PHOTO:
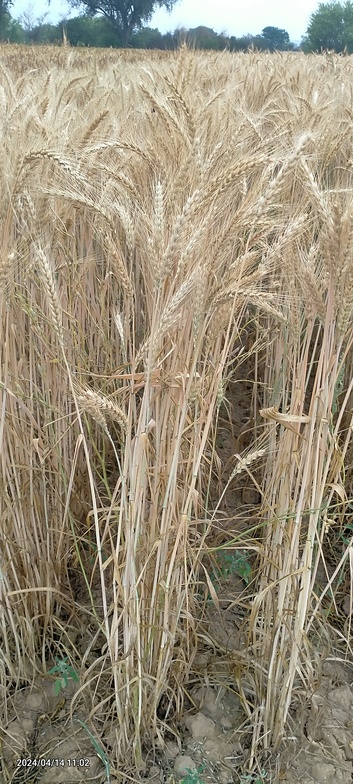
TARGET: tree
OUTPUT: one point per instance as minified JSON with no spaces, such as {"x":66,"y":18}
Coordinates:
{"x":85,"y":31}
{"x":31,"y":24}
{"x":240,"y":44}
{"x":126,"y":16}
{"x":276,"y":38}
{"x":45,"y":34}
{"x":4,"y":18}
{"x":330,"y":27}
{"x":148,"y":38}
{"x":205,"y":38}
{"x":11,"y":30}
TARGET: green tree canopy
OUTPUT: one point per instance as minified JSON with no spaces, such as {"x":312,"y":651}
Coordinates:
{"x":125,"y":16}
{"x":206,"y":38}
{"x":11,"y":30}
{"x":330,"y":27}
{"x":86,"y":31}
{"x":148,"y":38}
{"x":276,"y":38}
{"x":4,"y":18}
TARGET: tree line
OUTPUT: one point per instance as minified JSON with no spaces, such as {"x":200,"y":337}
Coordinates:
{"x":84,"y":30}
{"x":120,"y":23}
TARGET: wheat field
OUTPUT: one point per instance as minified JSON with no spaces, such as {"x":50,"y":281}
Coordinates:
{"x":164,"y":216}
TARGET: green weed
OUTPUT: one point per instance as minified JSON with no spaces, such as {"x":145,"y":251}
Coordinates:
{"x":229,"y":564}
{"x":193,"y":776}
{"x":65,"y":673}
{"x":254,"y":778}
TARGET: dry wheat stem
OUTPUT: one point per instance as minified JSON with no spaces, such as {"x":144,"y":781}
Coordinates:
{"x":170,"y":256}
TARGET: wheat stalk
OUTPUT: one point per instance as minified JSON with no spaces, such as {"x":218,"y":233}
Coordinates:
{"x":206,"y":256}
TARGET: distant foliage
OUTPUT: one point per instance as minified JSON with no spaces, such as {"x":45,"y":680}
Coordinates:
{"x":276,"y":39}
{"x":148,"y":38}
{"x":85,"y":31}
{"x":126,"y":18}
{"x":206,"y":38}
{"x":271,"y":39}
{"x":10,"y":29}
{"x":330,"y":28}
{"x":120,"y":25}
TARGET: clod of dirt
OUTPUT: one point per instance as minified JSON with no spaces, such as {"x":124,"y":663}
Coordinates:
{"x":201,"y":727}
{"x":209,"y":703}
{"x":171,"y":750}
{"x":217,"y":750}
{"x":325,"y":754}
{"x":54,"y":738}
{"x":225,"y":778}
{"x":154,"y":774}
{"x":323,"y":771}
{"x":183,"y":764}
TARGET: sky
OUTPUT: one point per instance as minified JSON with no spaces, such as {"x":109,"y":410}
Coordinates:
{"x":235,"y":17}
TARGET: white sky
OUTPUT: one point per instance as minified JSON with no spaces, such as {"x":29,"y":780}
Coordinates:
{"x":236,"y":17}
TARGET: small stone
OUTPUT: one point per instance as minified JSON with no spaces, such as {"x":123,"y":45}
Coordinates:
{"x":213,"y":750}
{"x":153,"y":773}
{"x":196,"y":749}
{"x":224,"y":777}
{"x":183,"y":763}
{"x":323,"y":771}
{"x":171,"y":749}
{"x":201,"y":727}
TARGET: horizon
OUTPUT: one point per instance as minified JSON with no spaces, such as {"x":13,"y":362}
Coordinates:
{"x":228,"y":16}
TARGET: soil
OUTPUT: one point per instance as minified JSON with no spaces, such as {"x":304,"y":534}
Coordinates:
{"x":214,"y":738}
